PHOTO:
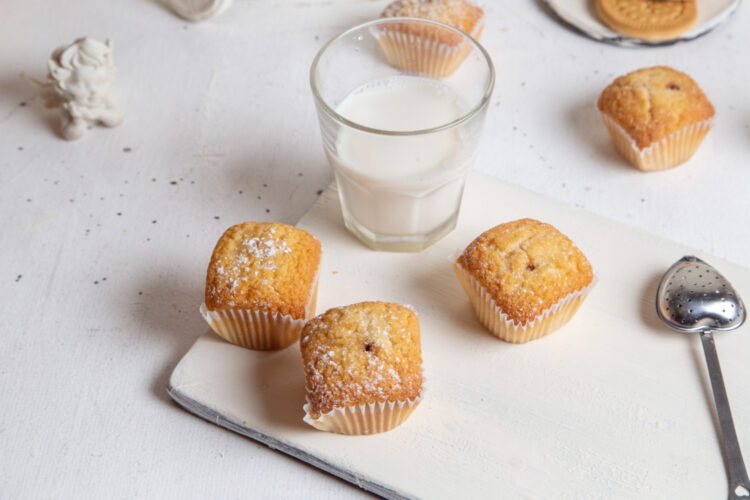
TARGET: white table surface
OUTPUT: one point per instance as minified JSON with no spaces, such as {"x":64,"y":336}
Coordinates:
{"x":105,"y":241}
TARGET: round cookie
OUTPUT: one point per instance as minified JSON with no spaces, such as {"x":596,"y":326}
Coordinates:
{"x":648,"y":19}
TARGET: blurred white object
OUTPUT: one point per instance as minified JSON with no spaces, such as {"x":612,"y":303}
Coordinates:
{"x":199,"y":10}
{"x":79,"y":82}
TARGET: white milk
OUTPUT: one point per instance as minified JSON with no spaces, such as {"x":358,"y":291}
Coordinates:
{"x":401,"y":185}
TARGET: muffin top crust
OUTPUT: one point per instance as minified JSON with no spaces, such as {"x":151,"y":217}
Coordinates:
{"x":651,"y":103}
{"x":460,"y":14}
{"x":363,"y":353}
{"x":263,"y":266}
{"x":526,"y":266}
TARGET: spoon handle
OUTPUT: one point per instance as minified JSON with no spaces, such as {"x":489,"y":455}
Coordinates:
{"x":739,"y":485}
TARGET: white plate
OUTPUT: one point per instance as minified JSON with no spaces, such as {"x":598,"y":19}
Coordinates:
{"x":613,"y":405}
{"x":580,"y":14}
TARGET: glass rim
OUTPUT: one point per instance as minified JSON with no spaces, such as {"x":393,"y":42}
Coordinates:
{"x":390,"y":20}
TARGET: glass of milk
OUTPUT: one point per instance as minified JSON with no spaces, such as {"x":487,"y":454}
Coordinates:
{"x":400,"y":141}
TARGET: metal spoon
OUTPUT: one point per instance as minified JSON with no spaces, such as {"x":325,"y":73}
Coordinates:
{"x":694,"y":297}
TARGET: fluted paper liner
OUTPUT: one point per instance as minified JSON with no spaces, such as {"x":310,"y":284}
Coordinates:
{"x":425,"y":52}
{"x":672,"y":150}
{"x":370,"y":418}
{"x":500,"y":325}
{"x":259,"y":330}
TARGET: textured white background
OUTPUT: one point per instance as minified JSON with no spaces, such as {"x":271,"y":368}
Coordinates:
{"x":105,"y":241}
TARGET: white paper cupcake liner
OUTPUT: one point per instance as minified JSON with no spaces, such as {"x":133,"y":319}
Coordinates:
{"x":425,"y":52}
{"x":674,"y":149}
{"x":370,"y":418}
{"x":500,"y":325}
{"x":259,"y":330}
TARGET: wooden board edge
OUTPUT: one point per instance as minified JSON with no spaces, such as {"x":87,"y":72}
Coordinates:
{"x":211,"y":415}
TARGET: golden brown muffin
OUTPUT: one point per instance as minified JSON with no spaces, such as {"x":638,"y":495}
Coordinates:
{"x":430,"y":50}
{"x":261,"y":282}
{"x":648,"y":19}
{"x":652,"y":103}
{"x":654,"y":106}
{"x":519,"y":273}
{"x":263,"y":265}
{"x":358,"y":358}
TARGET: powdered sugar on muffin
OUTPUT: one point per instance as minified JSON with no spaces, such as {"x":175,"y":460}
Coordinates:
{"x":254,"y":265}
{"x":364,"y":353}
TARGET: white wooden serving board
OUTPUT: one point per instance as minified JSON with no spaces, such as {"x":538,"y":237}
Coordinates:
{"x":581,"y":15}
{"x":612,"y":405}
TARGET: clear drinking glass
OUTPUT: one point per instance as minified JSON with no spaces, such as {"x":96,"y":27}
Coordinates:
{"x":401,"y":104}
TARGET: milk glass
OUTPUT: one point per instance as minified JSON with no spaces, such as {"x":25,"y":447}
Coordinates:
{"x":399,"y":133}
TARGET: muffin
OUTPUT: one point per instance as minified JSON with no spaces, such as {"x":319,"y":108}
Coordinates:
{"x":363,"y":368}
{"x":648,"y":19}
{"x":657,"y":117}
{"x":525,"y":279}
{"x":430,"y":50}
{"x":261,"y":284}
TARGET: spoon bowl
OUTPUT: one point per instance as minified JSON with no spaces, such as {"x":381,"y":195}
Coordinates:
{"x":693,"y":297}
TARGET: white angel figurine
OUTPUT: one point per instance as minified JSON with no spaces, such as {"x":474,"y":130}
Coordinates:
{"x":79,"y":82}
